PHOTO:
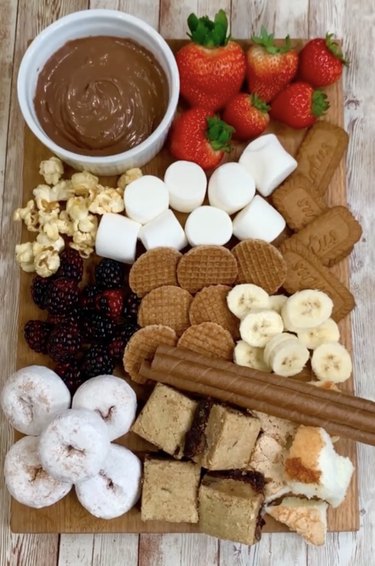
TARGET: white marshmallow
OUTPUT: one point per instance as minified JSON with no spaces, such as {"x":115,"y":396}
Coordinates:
{"x":268,"y":163}
{"x":231,"y":187}
{"x":259,"y":220}
{"x":25,"y":478}
{"x":208,"y":225}
{"x":186,"y":183}
{"x":145,"y":198}
{"x":32,"y":397}
{"x":116,"y":237}
{"x":74,"y":445}
{"x":163,"y":231}
{"x":112,"y":399}
{"x":116,"y":488}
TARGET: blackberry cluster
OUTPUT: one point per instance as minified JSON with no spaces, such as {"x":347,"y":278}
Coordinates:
{"x":97,"y":361}
{"x":64,"y":342}
{"x":36,"y":333}
{"x":131,"y":306}
{"x":61,"y":296}
{"x":71,"y":265}
{"x":110,"y":274}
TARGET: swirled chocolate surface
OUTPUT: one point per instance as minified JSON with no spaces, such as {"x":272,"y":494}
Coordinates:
{"x":101,"y":95}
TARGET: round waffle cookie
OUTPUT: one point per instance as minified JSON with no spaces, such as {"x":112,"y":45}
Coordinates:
{"x":142,"y":346}
{"x":166,"y":305}
{"x":210,"y":305}
{"x":206,"y":265}
{"x":208,"y":338}
{"x":154,"y":268}
{"x":260,"y":263}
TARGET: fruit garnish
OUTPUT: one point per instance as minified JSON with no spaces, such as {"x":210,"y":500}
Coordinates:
{"x":248,"y":114}
{"x":321,"y":61}
{"x":299,"y":105}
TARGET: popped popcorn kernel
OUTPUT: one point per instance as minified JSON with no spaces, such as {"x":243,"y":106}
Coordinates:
{"x":47,"y":262}
{"x":52,"y":170}
{"x":29,"y":215}
{"x":107,"y":200}
{"x":77,"y":207}
{"x":129,"y":176}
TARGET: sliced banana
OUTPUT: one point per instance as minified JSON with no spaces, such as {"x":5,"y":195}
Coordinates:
{"x":286,"y":320}
{"x":314,"y":337}
{"x":273,"y":342}
{"x":259,"y":327}
{"x":277,"y":302}
{"x":249,"y":356}
{"x":243,"y":298}
{"x":289,"y":357}
{"x":332,"y":362}
{"x":308,"y":308}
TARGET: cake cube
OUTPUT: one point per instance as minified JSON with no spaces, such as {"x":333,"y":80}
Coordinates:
{"x":230,"y":507}
{"x":221,"y":438}
{"x":170,"y":491}
{"x":165,"y":419}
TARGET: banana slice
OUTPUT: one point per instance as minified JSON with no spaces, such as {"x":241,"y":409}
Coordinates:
{"x":277,"y":302}
{"x":273,"y":342}
{"x":308,"y":308}
{"x":314,"y":337}
{"x":332,"y":362}
{"x":243,"y":298}
{"x":289,"y":357}
{"x":259,"y":327}
{"x":286,"y":320}
{"x":249,"y":356}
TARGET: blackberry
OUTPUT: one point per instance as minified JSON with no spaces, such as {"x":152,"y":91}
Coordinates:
{"x":64,"y":342}
{"x":96,"y":361}
{"x":39,"y":288}
{"x":71,"y":265}
{"x":98,"y":327}
{"x":71,"y":317}
{"x":36,"y":333}
{"x":70,"y":373}
{"x":123,"y":334}
{"x":61,"y":296}
{"x":131,"y":306}
{"x":109,"y":274}
{"x":110,"y":302}
{"x":87,"y":298}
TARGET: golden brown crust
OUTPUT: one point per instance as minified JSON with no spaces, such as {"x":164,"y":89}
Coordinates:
{"x":302,"y":463}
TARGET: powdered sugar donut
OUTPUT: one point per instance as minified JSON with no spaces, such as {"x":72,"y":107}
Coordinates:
{"x":26,"y":479}
{"x":74,"y":445}
{"x":116,"y":488}
{"x":32,"y":396}
{"x":112,"y":398}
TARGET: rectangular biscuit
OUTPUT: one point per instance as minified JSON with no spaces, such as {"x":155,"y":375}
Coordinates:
{"x":296,"y":201}
{"x":332,"y":235}
{"x":320,"y":153}
{"x":305,"y":271}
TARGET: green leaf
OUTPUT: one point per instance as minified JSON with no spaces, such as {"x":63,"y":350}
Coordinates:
{"x":208,"y":33}
{"x":219,"y":133}
{"x":335,"y":48}
{"x":266,"y":40}
{"x":259,"y":104}
{"x":320,"y":103}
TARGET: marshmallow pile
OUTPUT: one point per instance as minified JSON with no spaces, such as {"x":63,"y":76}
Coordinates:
{"x":263,"y":165}
{"x":71,"y":446}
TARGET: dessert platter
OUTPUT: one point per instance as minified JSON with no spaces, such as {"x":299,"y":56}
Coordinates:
{"x":184,"y":357}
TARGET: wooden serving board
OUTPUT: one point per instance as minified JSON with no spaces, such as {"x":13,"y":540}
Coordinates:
{"x":68,"y":516}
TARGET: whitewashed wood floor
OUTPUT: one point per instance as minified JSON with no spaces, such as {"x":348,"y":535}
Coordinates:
{"x":354,"y":21}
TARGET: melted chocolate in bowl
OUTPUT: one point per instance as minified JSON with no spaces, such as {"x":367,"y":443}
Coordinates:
{"x":101,"y":95}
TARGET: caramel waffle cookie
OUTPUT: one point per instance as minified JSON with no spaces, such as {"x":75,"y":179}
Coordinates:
{"x":168,"y":305}
{"x":142,"y":346}
{"x":320,"y":153}
{"x":210,"y":305}
{"x":208,"y":338}
{"x":260,"y":263}
{"x":295,"y":201}
{"x":306,"y":271}
{"x":154,"y":268}
{"x":332,"y":235}
{"x":206,"y":265}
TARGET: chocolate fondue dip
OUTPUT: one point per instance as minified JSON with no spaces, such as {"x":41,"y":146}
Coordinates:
{"x":101,"y":95}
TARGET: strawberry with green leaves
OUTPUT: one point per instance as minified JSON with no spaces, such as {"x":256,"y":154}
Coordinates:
{"x":212,"y":66}
{"x":270,"y":67}
{"x":321,"y":61}
{"x":197,"y":135}
{"x":299,"y":105}
{"x":248,"y":115}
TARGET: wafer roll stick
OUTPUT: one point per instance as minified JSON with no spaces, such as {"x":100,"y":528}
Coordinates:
{"x":265,"y":387}
{"x":149,"y":373}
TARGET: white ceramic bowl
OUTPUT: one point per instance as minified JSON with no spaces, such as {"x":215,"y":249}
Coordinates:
{"x":91,"y":23}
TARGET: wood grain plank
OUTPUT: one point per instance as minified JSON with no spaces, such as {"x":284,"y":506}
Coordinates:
{"x":97,"y":550}
{"x":148,"y":11}
{"x":174,"y":550}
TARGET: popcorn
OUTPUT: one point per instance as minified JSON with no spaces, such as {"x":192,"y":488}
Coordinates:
{"x":61,"y":191}
{"x":51,"y":230}
{"x":25,"y":256}
{"x":43,"y":242}
{"x":85,"y":184}
{"x":77,"y":207}
{"x":45,"y":198}
{"x":45,"y":217}
{"x":47,"y":262}
{"x":52,"y":169}
{"x":87,"y":224}
{"x":129,"y":176}
{"x":29,"y":214}
{"x":65,"y":224}
{"x":107,"y":200}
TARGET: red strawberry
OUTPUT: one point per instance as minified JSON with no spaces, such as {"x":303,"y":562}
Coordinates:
{"x":321,"y":61}
{"x":199,"y":136}
{"x":269,"y":67}
{"x":248,"y":115}
{"x":212,"y":67}
{"x":111,"y":303}
{"x":299,"y":105}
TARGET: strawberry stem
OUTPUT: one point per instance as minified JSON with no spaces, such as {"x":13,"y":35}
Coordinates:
{"x":259,"y":104}
{"x":335,"y":48}
{"x":209,"y":33}
{"x":320,"y":103}
{"x":266,"y":40}
{"x":219,"y":133}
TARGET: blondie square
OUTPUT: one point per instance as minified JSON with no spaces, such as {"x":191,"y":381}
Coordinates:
{"x":230,"y":508}
{"x":170,"y":491}
{"x":165,"y":419}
